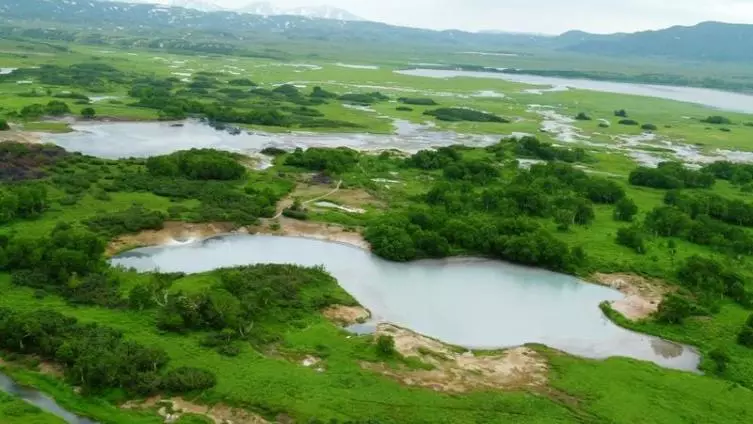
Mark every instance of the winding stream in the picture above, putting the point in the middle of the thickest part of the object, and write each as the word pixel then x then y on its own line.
pixel 714 98
pixel 474 303
pixel 40 400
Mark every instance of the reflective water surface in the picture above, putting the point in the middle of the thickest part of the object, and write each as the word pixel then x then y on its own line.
pixel 474 303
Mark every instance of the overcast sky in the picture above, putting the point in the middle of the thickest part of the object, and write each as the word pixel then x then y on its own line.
pixel 541 16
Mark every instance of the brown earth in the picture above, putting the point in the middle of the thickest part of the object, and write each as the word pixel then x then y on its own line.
pixel 346 315
pixel 175 407
pixel 312 230
pixel 25 137
pixel 172 231
pixel 642 295
pixel 456 371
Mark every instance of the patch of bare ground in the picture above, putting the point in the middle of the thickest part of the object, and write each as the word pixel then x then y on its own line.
pixel 173 408
pixel 170 232
pixel 25 137
pixel 346 315
pixel 313 230
pixel 642 295
pixel 455 371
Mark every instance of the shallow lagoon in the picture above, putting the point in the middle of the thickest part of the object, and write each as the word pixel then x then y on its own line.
pixel 714 98
pixel 473 303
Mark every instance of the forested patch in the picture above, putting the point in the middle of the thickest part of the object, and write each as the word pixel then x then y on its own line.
pixel 254 303
pixel 532 147
pixel 456 114
pixel 96 357
pixel 197 164
pixel 671 175
pixel 418 101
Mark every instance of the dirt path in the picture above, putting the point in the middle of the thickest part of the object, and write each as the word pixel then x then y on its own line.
pixel 309 229
pixel 287 202
pixel 642 295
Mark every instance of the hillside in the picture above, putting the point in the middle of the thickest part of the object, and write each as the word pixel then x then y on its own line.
pixel 708 41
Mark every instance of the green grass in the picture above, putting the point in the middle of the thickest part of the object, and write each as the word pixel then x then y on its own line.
pixel 16 411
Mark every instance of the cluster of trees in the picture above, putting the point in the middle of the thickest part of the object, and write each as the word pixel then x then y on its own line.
pixel 491 217
pixel 671 175
pixel 736 173
pixel 710 280
pixel 418 101
pixel 4 126
pixel 131 220
pixel 53 261
pixel 22 201
pixel 532 147
pixel 745 336
pixel 332 161
pixel 364 98
pixel 96 357
pixel 698 204
pixel 582 116
pixel 669 221
pixel 52 108
pixel 427 232
pixel 96 77
pixel 457 114
pixel 250 303
pixel 717 120
pixel 197 164
pixel 219 200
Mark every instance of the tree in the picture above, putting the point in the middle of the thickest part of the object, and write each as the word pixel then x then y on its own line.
pixel 625 210
pixel 621 113
pixel 649 127
pixel 582 117
pixel 674 309
pixel 632 237
pixel 4 125
pixel 721 358
pixel 385 346
pixel 57 108
pixel 88 113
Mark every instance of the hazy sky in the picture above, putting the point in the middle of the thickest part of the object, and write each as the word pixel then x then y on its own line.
pixel 543 16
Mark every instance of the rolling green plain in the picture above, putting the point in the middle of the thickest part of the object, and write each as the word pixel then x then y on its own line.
pixel 266 377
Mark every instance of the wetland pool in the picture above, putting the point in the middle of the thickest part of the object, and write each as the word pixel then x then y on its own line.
pixel 474 303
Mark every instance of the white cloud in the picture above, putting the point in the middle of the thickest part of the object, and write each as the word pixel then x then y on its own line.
pixel 545 16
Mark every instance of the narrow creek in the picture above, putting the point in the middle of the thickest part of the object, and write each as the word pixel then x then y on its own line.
pixel 40 400
pixel 475 303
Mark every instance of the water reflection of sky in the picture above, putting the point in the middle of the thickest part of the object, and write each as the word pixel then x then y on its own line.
pixel 472 303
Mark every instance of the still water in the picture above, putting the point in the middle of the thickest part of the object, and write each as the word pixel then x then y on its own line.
pixel 143 139
pixel 473 303
pixel 714 98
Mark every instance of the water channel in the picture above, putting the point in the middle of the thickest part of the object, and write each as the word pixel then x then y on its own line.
pixel 40 400
pixel 473 303
pixel 714 98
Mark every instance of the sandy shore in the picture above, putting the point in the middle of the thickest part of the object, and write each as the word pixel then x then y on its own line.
pixel 642 295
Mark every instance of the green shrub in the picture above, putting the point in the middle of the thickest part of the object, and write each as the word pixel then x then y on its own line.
pixel 188 379
pixel 385 346
pixel 628 122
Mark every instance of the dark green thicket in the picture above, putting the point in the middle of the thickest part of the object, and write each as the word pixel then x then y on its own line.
pixel 254 303
pixel 418 101
pixel 95 357
pixel 455 114
pixel 532 147
pixel 671 175
pixel 197 164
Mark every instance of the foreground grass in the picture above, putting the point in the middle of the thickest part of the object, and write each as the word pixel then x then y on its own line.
pixel 15 411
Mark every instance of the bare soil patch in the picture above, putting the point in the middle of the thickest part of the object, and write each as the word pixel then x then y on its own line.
pixel 173 408
pixel 456 371
pixel 642 295
pixel 346 315
pixel 313 230
pixel 172 231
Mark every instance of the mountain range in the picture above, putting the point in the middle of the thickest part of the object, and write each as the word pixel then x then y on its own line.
pixel 258 8
pixel 708 41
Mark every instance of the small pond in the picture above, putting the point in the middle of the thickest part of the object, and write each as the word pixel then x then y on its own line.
pixel 40 400
pixel 714 98
pixel 473 303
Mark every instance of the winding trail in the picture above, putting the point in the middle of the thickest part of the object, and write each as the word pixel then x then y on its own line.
pixel 284 204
